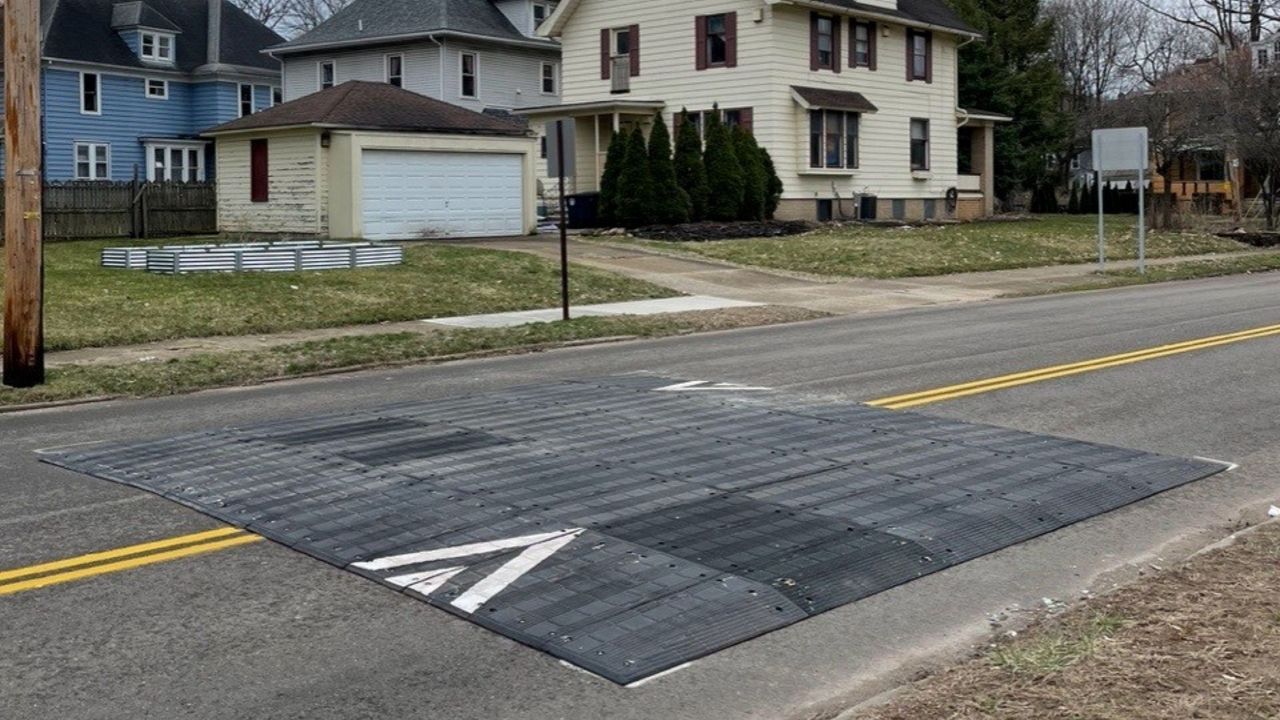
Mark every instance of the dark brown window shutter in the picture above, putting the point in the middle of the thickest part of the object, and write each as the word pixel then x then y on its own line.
pixel 836 27
pixel 928 57
pixel 731 39
pixel 872 31
pixel 258 171
pixel 744 119
pixel 700 42
pixel 605 53
pixel 635 50
pixel 813 41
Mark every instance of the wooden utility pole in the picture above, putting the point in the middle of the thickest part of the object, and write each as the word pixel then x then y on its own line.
pixel 23 224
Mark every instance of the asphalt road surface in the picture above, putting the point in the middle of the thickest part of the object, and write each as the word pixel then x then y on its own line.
pixel 260 631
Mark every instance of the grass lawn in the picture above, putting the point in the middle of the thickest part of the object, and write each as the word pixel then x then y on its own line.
pixel 207 370
pixel 89 306
pixel 1189 270
pixel 1198 641
pixel 888 252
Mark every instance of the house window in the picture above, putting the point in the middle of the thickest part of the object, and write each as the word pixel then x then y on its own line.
pixel 825 42
pixel 246 100
pixel 1263 58
pixel 539 14
pixel 548 78
pixel 327 74
pixel 395 70
pixel 919 62
pixel 90 93
pixel 621 42
pixel 258 175
pixel 277 96
pixel 833 139
pixel 157 89
pixel 620 51
pixel 864 47
pixel 157 47
pixel 92 161
pixel 731 117
pixel 716 45
pixel 467 63
pixel 175 164
pixel 1210 167
pixel 919 144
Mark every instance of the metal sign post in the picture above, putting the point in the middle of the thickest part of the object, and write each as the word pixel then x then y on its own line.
pixel 1120 151
pixel 561 132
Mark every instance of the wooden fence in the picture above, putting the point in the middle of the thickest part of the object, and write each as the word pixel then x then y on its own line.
pixel 82 209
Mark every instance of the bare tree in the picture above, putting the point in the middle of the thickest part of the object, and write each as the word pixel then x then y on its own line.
pixel 1093 47
pixel 1252 110
pixel 1231 23
pixel 1182 114
pixel 272 13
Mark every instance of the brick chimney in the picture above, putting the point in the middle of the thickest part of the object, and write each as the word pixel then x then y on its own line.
pixel 213 55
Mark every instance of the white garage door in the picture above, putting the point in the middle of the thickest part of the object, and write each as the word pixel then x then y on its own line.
pixel 416 194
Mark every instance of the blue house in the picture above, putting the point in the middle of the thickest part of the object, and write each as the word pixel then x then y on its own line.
pixel 129 85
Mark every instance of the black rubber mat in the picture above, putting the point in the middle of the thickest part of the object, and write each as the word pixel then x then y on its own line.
pixel 628 526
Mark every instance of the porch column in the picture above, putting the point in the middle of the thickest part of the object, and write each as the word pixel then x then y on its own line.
pixel 983 151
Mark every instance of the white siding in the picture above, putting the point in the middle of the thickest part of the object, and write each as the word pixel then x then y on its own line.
pixel 509 77
pixel 773 55
pixel 421 68
pixel 295 185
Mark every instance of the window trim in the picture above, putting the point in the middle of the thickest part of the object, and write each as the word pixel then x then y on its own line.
pixel 928 145
pixel 186 149
pixel 927 36
pixel 164 88
pixel 847 117
pixel 870 26
pixel 475 75
pixel 834 51
pixel 555 78
pixel 708 61
pixel 253 99
pixel 97 93
pixel 93 160
pixel 333 71
pixel 156 37
pixel 386 69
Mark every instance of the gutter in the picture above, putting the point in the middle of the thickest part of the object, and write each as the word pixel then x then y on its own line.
pixel 214 132
pixel 279 50
pixel 883 17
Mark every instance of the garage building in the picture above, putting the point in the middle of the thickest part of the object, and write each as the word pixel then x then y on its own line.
pixel 370 160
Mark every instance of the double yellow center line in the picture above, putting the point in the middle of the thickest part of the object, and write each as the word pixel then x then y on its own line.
pixel 125 558
pixel 926 397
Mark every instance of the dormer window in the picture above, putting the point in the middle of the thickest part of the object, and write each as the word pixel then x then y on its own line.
pixel 157 47
pixel 539 14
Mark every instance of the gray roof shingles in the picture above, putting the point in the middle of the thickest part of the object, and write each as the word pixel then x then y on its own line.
pixel 81 30
pixel 371 20
pixel 928 12
pixel 374 106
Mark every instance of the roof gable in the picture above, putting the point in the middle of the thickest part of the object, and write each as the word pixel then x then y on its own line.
pixel 372 21
pixel 86 31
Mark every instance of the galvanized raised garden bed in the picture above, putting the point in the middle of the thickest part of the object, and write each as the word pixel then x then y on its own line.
pixel 285 256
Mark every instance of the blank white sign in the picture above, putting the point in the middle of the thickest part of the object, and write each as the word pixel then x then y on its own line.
pixel 1120 149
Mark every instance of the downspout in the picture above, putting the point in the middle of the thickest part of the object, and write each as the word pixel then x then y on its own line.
pixel 440 44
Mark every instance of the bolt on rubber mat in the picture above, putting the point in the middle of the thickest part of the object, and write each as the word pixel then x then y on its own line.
pixel 629 525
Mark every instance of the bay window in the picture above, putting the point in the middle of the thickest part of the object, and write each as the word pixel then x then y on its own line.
pixel 833 139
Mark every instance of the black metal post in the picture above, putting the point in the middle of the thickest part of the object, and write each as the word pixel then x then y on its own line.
pixel 564 223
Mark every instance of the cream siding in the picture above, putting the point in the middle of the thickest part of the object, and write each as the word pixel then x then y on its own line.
pixel 294 185
pixel 773 55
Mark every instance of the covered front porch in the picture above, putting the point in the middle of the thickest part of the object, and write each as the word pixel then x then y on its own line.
pixel 976 182
pixel 594 126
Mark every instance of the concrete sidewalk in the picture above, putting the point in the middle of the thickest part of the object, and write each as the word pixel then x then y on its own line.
pixel 700 276
pixel 686 303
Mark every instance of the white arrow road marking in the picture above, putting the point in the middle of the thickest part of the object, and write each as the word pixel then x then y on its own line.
pixel 538 547
pixel 707 385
